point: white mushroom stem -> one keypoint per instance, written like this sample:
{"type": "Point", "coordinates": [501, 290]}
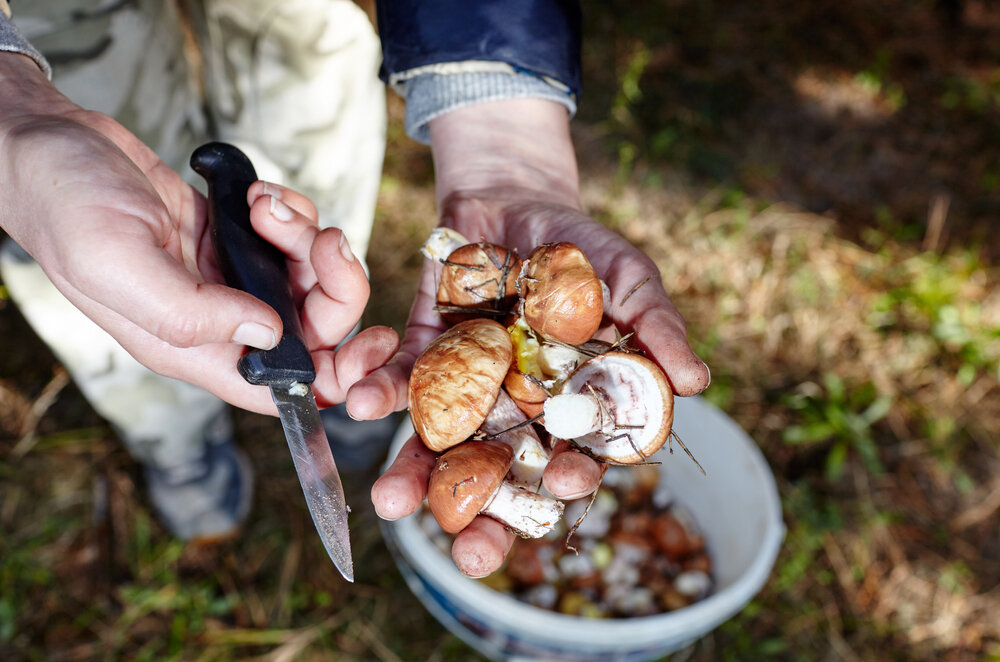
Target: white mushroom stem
{"type": "Point", "coordinates": [573, 415]}
{"type": "Point", "coordinates": [530, 457]}
{"type": "Point", "coordinates": [528, 514]}
{"type": "Point", "coordinates": [441, 243]}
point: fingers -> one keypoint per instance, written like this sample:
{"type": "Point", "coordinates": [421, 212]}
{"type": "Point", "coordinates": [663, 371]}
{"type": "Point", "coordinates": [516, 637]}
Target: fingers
{"type": "Point", "coordinates": [327, 278]}
{"type": "Point", "coordinates": [571, 474]}
{"type": "Point", "coordinates": [479, 549]}
{"type": "Point", "coordinates": [661, 331]}
{"type": "Point", "coordinates": [337, 370]}
{"type": "Point", "coordinates": [385, 390]}
{"type": "Point", "coordinates": [148, 287]}
{"type": "Point", "coordinates": [332, 310]}
{"type": "Point", "coordinates": [402, 488]}
{"type": "Point", "coordinates": [298, 202]}
{"type": "Point", "coordinates": [640, 303]}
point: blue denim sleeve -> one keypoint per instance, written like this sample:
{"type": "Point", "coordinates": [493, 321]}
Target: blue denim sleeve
{"type": "Point", "coordinates": [444, 55]}
{"type": "Point", "coordinates": [537, 37]}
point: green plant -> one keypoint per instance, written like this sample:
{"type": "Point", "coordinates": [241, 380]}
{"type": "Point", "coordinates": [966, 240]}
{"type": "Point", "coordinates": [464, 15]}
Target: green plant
{"type": "Point", "coordinates": [831, 413]}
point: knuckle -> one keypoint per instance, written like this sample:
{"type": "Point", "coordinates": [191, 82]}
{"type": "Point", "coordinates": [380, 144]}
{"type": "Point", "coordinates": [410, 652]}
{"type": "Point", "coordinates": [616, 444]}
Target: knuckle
{"type": "Point", "coordinates": [179, 330]}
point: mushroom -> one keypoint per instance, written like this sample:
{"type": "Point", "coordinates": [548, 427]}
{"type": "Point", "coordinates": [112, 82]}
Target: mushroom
{"type": "Point", "coordinates": [506, 423]}
{"type": "Point", "coordinates": [562, 296]}
{"type": "Point", "coordinates": [618, 406]}
{"type": "Point", "coordinates": [455, 381]}
{"type": "Point", "coordinates": [469, 480]}
{"type": "Point", "coordinates": [524, 391]}
{"type": "Point", "coordinates": [441, 243]}
{"type": "Point", "coordinates": [539, 365]}
{"type": "Point", "coordinates": [480, 277]}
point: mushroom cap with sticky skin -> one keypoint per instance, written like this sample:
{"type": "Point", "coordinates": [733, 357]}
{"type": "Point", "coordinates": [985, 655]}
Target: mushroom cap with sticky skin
{"type": "Point", "coordinates": [635, 393]}
{"type": "Point", "coordinates": [478, 276]}
{"type": "Point", "coordinates": [463, 481]}
{"type": "Point", "coordinates": [563, 297]}
{"type": "Point", "coordinates": [526, 394]}
{"type": "Point", "coordinates": [456, 380]}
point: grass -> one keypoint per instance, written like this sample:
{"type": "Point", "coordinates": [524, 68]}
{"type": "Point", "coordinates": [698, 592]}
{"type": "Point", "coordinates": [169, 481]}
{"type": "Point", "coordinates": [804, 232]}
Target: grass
{"type": "Point", "coordinates": [816, 184]}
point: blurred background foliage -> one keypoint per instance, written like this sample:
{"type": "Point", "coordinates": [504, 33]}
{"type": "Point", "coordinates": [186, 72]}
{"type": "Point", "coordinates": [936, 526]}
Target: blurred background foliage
{"type": "Point", "coordinates": [819, 184]}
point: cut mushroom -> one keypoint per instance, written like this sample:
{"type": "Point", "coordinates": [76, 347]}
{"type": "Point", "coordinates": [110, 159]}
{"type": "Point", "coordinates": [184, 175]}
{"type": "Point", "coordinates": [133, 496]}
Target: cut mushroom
{"type": "Point", "coordinates": [562, 296]}
{"type": "Point", "coordinates": [618, 406]}
{"type": "Point", "coordinates": [441, 243]}
{"type": "Point", "coordinates": [539, 365]}
{"type": "Point", "coordinates": [455, 381]}
{"type": "Point", "coordinates": [506, 423]}
{"type": "Point", "coordinates": [480, 278]}
{"type": "Point", "coordinates": [469, 480]}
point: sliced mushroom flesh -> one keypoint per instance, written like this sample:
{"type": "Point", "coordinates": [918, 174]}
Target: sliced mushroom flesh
{"type": "Point", "coordinates": [634, 406]}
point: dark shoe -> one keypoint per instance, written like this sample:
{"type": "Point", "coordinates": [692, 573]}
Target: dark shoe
{"type": "Point", "coordinates": [206, 500]}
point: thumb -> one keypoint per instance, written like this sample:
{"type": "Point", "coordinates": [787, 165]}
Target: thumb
{"type": "Point", "coordinates": [149, 288]}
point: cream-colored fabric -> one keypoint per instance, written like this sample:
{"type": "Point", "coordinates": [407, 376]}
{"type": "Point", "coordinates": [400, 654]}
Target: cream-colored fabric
{"type": "Point", "coordinates": [292, 82]}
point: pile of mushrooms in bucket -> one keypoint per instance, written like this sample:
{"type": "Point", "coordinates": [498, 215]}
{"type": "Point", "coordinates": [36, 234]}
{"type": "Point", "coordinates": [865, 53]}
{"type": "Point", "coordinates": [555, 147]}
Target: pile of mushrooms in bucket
{"type": "Point", "coordinates": [520, 370]}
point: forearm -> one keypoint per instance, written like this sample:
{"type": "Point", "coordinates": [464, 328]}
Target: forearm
{"type": "Point", "coordinates": [511, 143]}
{"type": "Point", "coordinates": [26, 91]}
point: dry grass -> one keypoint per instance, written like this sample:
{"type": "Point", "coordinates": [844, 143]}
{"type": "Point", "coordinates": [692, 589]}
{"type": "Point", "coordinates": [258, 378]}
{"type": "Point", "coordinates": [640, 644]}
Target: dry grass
{"type": "Point", "coordinates": [857, 341]}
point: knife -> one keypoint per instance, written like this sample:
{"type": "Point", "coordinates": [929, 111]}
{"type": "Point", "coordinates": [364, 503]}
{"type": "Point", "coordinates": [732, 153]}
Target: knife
{"type": "Point", "coordinates": [251, 264]}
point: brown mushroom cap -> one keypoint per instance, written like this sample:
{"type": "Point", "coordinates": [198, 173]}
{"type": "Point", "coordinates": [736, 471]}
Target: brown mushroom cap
{"type": "Point", "coordinates": [482, 277]}
{"type": "Point", "coordinates": [634, 395]}
{"type": "Point", "coordinates": [455, 381]}
{"type": "Point", "coordinates": [464, 480]}
{"type": "Point", "coordinates": [563, 298]}
{"type": "Point", "coordinates": [526, 394]}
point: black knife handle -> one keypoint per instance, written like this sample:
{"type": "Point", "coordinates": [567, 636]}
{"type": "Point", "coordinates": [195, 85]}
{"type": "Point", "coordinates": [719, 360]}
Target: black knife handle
{"type": "Point", "coordinates": [251, 264]}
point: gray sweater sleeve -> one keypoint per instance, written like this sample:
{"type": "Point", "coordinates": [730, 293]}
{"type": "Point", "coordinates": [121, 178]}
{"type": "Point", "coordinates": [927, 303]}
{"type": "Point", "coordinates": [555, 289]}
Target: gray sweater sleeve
{"type": "Point", "coordinates": [12, 41]}
{"type": "Point", "coordinates": [433, 93]}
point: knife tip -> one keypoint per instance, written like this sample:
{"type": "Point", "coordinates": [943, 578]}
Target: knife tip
{"type": "Point", "coordinates": [348, 573]}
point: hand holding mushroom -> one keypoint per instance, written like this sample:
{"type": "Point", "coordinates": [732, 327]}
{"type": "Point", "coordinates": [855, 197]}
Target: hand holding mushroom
{"type": "Point", "coordinates": [506, 174]}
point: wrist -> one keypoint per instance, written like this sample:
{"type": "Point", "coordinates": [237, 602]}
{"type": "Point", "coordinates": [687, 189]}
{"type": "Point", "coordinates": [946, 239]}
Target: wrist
{"type": "Point", "coordinates": [27, 91]}
{"type": "Point", "coordinates": [511, 143]}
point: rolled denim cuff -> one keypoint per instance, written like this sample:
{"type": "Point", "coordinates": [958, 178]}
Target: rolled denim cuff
{"type": "Point", "coordinates": [12, 41]}
{"type": "Point", "coordinates": [429, 95]}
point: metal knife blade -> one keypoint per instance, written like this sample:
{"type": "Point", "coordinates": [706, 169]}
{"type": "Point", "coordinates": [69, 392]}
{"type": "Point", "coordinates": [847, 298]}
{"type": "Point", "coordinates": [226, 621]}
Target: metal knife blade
{"type": "Point", "coordinates": [314, 463]}
{"type": "Point", "coordinates": [251, 264]}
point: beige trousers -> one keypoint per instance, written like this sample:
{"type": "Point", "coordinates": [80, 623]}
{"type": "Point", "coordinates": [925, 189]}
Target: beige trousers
{"type": "Point", "coordinates": [291, 82]}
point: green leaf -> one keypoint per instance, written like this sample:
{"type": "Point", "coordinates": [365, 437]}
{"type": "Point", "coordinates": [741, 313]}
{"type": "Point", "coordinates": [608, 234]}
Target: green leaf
{"type": "Point", "coordinates": [807, 434]}
{"type": "Point", "coordinates": [834, 386]}
{"type": "Point", "coordinates": [877, 410]}
{"type": "Point", "coordinates": [835, 461]}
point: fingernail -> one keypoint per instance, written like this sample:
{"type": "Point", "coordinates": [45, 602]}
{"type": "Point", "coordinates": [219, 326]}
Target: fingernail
{"type": "Point", "coordinates": [576, 495]}
{"type": "Point", "coordinates": [271, 190]}
{"type": "Point", "coordinates": [280, 210]}
{"type": "Point", "coordinates": [345, 248]}
{"type": "Point", "coordinates": [255, 335]}
{"type": "Point", "coordinates": [709, 374]}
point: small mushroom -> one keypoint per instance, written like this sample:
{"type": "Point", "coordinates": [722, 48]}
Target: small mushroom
{"type": "Point", "coordinates": [618, 406]}
{"type": "Point", "coordinates": [507, 423]}
{"type": "Point", "coordinates": [480, 277]}
{"type": "Point", "coordinates": [562, 296]}
{"type": "Point", "coordinates": [469, 480]}
{"type": "Point", "coordinates": [441, 243]}
{"type": "Point", "coordinates": [524, 391]}
{"type": "Point", "coordinates": [538, 366]}
{"type": "Point", "coordinates": [455, 381]}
